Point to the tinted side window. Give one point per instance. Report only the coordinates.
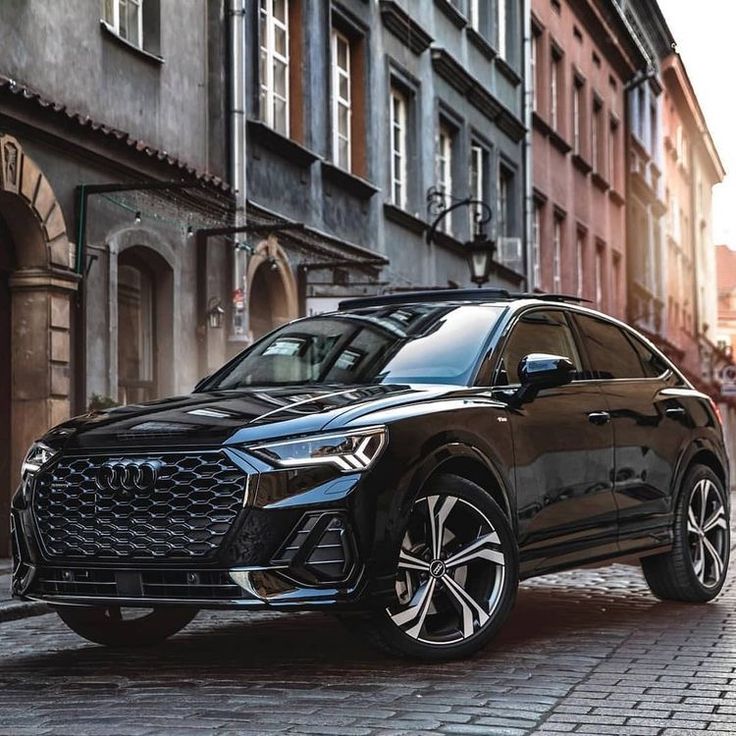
(536, 332)
(611, 353)
(653, 365)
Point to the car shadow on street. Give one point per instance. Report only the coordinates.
(298, 647)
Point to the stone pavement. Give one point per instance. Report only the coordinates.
(589, 651)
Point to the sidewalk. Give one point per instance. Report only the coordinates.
(11, 609)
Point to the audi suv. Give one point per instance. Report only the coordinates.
(402, 462)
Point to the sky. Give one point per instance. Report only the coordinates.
(703, 30)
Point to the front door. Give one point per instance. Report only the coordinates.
(563, 452)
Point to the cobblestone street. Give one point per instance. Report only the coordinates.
(589, 651)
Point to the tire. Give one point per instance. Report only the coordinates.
(452, 591)
(695, 569)
(108, 626)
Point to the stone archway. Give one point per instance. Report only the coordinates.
(271, 287)
(38, 284)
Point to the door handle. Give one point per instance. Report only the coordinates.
(675, 412)
(599, 417)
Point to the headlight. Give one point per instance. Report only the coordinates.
(36, 458)
(348, 451)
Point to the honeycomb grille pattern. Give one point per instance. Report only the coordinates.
(196, 498)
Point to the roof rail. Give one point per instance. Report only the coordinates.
(449, 295)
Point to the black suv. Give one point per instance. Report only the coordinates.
(402, 462)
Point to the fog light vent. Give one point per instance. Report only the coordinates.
(320, 550)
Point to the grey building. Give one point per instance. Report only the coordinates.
(355, 110)
(99, 295)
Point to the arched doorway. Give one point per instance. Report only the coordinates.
(272, 289)
(37, 282)
(145, 326)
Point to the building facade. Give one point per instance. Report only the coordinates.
(356, 112)
(99, 299)
(646, 207)
(692, 168)
(583, 57)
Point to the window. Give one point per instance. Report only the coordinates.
(504, 213)
(652, 363)
(537, 245)
(409, 344)
(577, 116)
(597, 136)
(599, 276)
(536, 70)
(615, 299)
(478, 165)
(554, 89)
(653, 127)
(557, 254)
(341, 101)
(580, 259)
(610, 351)
(613, 155)
(474, 14)
(398, 103)
(274, 64)
(444, 170)
(501, 27)
(125, 17)
(538, 331)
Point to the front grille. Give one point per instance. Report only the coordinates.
(169, 584)
(193, 504)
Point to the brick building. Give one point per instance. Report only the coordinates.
(582, 58)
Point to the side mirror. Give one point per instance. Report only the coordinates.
(538, 371)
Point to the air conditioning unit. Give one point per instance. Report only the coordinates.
(509, 253)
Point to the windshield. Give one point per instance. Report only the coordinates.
(407, 344)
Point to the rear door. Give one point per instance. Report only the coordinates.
(563, 452)
(650, 427)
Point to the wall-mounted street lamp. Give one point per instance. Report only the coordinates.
(215, 313)
(481, 249)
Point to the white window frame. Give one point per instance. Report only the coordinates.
(474, 14)
(554, 91)
(501, 28)
(269, 97)
(599, 276)
(443, 165)
(114, 23)
(398, 113)
(477, 184)
(580, 255)
(339, 102)
(537, 246)
(533, 61)
(577, 90)
(557, 255)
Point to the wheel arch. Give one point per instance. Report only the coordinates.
(470, 463)
(701, 452)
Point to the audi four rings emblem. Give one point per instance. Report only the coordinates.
(128, 475)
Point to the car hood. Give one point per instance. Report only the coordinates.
(244, 415)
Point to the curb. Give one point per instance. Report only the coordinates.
(14, 610)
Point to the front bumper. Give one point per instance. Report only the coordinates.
(299, 540)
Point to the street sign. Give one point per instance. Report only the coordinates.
(728, 380)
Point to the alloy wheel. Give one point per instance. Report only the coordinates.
(451, 572)
(707, 530)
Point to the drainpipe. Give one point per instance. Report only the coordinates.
(527, 151)
(238, 172)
